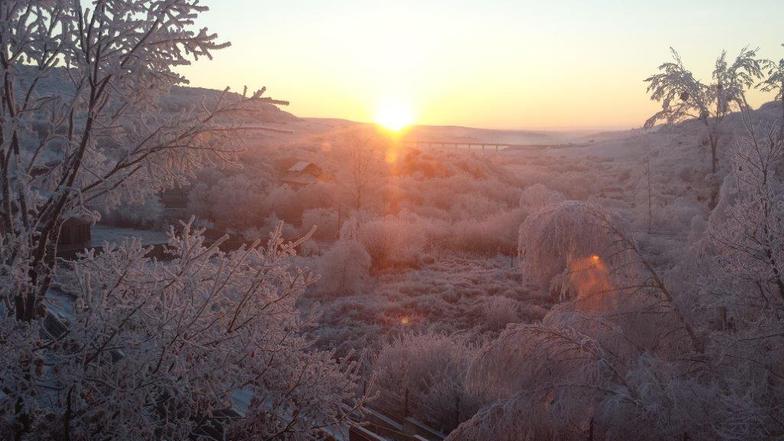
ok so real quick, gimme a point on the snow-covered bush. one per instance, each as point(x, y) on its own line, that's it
point(146, 349)
point(430, 369)
point(282, 201)
point(234, 201)
point(491, 235)
point(145, 214)
point(158, 349)
point(678, 215)
point(538, 196)
point(266, 227)
point(521, 371)
point(747, 226)
point(557, 235)
point(344, 268)
point(603, 367)
point(324, 219)
point(290, 203)
point(499, 311)
point(391, 241)
point(122, 146)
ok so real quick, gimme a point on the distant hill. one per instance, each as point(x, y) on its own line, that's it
point(455, 133)
point(180, 98)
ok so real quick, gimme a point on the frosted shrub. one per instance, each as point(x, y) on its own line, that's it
point(423, 165)
point(431, 369)
point(748, 224)
point(538, 196)
point(145, 349)
point(492, 235)
point(473, 206)
point(318, 195)
point(362, 167)
point(310, 248)
point(325, 220)
point(520, 372)
point(343, 268)
point(145, 214)
point(231, 201)
point(157, 349)
point(462, 196)
point(111, 62)
point(498, 311)
point(678, 215)
point(392, 241)
point(283, 202)
point(557, 235)
point(266, 227)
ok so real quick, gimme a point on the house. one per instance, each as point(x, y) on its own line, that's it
point(302, 174)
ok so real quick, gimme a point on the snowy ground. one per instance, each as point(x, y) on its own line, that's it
point(103, 233)
point(451, 295)
point(658, 182)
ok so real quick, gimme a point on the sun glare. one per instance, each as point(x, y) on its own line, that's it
point(394, 115)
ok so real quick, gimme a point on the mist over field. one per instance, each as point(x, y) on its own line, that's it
point(185, 263)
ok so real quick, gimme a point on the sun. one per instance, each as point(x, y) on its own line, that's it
point(393, 115)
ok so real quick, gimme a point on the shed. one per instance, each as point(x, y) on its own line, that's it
point(305, 167)
point(302, 173)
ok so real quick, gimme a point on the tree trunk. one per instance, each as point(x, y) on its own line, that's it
point(714, 146)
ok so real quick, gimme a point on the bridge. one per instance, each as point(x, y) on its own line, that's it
point(482, 145)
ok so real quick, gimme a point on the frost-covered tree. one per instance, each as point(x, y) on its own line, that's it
point(581, 250)
point(344, 268)
point(638, 358)
point(557, 235)
point(749, 228)
point(80, 122)
point(359, 177)
point(205, 343)
point(428, 373)
point(391, 241)
point(683, 96)
point(145, 350)
point(774, 81)
point(538, 196)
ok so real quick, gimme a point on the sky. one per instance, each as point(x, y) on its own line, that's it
point(525, 64)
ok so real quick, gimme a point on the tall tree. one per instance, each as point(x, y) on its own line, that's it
point(685, 97)
point(774, 82)
point(80, 120)
point(750, 233)
point(144, 349)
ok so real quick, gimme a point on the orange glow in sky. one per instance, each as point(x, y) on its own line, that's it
point(494, 63)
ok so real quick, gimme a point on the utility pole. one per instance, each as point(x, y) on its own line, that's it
point(650, 197)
